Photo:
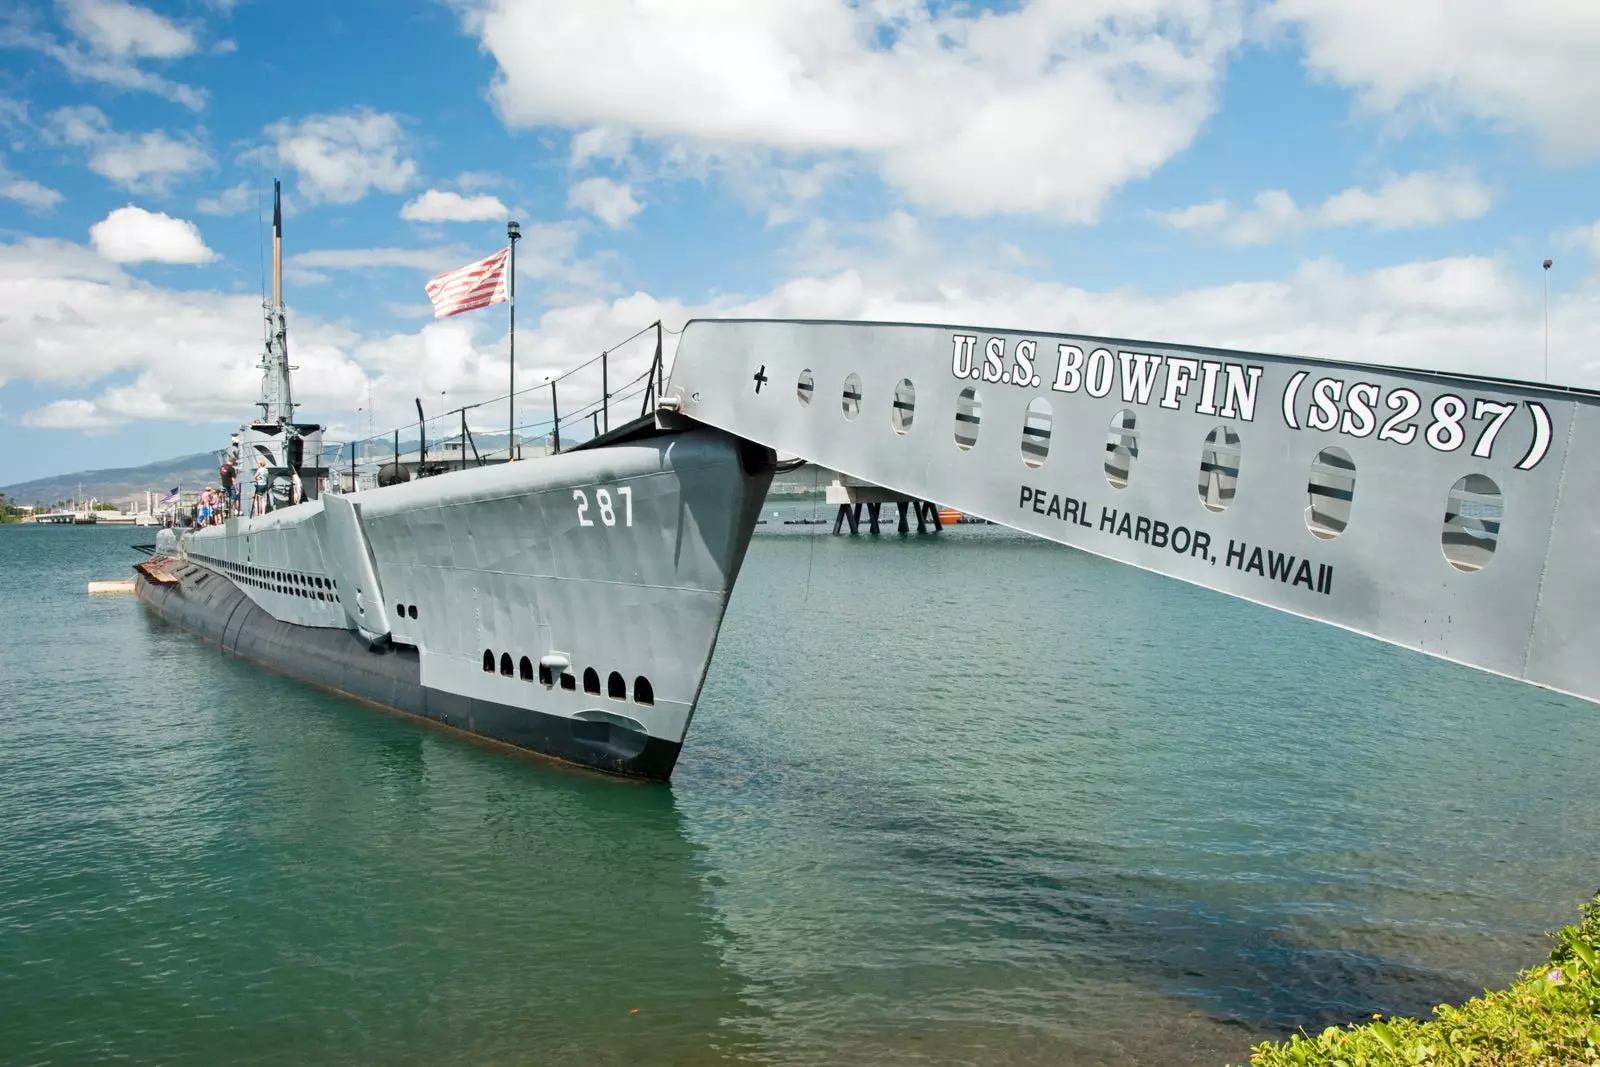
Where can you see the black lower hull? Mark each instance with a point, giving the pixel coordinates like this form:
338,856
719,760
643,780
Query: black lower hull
209,605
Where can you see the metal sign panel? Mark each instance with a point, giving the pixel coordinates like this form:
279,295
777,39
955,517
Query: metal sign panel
1456,516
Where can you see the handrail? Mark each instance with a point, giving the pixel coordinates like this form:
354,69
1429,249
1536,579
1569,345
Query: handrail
348,453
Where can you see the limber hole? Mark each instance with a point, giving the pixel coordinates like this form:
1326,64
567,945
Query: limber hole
1122,448
969,417
1219,468
805,388
1472,515
1330,492
1036,423
905,406
851,399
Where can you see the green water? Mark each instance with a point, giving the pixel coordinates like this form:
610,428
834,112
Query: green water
973,799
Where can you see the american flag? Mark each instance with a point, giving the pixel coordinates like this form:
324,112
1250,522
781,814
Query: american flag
172,497
474,286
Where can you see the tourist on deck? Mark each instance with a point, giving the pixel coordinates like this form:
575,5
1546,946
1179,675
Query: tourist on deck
258,502
230,485
202,509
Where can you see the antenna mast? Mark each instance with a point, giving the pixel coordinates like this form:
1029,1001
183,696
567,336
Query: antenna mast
276,403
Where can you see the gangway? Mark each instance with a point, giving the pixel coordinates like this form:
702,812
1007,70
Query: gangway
1454,515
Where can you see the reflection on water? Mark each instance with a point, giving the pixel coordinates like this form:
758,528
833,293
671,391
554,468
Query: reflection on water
973,799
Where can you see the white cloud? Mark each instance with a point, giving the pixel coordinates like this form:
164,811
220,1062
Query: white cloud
117,28
428,259
610,202
27,192
1197,216
409,311
73,414
14,114
64,323
1581,238
779,188
600,142
470,180
1467,314
109,39
547,253
148,161
139,162
1422,198
1044,109
1523,65
229,201
436,205
68,317
133,235
64,315
343,156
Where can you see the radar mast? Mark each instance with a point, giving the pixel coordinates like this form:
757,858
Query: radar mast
277,402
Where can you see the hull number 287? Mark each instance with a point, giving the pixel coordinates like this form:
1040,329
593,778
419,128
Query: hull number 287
605,507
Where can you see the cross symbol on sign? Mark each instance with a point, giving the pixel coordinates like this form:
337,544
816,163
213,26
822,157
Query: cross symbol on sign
760,378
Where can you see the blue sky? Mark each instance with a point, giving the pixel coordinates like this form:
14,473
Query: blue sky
1314,176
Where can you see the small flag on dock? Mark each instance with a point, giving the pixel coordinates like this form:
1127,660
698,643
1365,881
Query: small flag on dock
172,497
474,286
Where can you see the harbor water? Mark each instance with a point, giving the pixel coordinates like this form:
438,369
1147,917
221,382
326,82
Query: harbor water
965,799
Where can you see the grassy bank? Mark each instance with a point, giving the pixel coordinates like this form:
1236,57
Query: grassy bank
1550,1016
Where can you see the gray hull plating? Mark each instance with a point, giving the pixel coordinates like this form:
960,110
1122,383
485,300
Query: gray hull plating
211,606
568,606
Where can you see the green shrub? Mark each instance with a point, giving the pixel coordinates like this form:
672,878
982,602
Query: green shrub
1550,1017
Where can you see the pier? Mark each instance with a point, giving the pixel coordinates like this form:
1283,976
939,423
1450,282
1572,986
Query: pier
852,494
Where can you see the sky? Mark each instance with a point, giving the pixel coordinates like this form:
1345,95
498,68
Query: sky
1366,180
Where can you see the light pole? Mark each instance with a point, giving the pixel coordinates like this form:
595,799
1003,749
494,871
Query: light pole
513,235
1547,264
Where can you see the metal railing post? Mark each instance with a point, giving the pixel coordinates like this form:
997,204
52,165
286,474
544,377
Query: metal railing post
422,438
555,415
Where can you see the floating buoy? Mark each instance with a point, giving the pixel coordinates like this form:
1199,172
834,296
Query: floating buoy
122,585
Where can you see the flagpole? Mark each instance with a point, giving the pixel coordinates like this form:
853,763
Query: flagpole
513,234
1547,265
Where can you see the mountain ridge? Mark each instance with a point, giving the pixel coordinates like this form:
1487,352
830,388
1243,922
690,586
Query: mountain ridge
117,484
